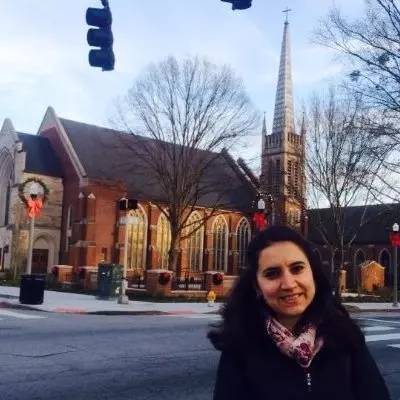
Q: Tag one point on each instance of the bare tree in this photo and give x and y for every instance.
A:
(340, 171)
(370, 46)
(191, 111)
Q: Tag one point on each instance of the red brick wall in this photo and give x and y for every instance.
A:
(100, 227)
(95, 220)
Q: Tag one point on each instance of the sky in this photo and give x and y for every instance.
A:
(44, 53)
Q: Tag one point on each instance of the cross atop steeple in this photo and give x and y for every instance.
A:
(287, 11)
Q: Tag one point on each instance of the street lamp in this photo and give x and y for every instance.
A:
(395, 239)
(265, 207)
(33, 192)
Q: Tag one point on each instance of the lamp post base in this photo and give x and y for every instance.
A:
(123, 299)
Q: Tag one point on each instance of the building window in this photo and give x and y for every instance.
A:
(68, 232)
(243, 238)
(290, 178)
(7, 210)
(277, 176)
(104, 254)
(137, 241)
(194, 242)
(163, 240)
(359, 257)
(296, 179)
(220, 244)
(69, 218)
(385, 261)
(270, 173)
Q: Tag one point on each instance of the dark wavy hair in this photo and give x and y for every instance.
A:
(244, 313)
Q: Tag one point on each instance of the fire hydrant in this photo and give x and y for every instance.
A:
(211, 298)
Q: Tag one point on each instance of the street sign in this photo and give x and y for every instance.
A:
(394, 239)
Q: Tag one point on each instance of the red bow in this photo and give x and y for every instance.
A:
(259, 220)
(34, 207)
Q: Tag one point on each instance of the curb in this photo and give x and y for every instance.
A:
(8, 296)
(149, 312)
(80, 311)
(5, 304)
(77, 311)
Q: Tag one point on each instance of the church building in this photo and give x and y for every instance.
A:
(86, 172)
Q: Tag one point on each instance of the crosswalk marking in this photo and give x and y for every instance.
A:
(197, 316)
(19, 315)
(377, 328)
(379, 320)
(385, 336)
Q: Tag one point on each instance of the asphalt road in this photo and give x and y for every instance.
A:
(56, 356)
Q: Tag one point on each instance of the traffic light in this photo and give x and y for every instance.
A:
(100, 37)
(239, 4)
(127, 204)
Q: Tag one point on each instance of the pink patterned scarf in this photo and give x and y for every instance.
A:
(302, 348)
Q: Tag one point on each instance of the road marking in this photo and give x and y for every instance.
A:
(19, 315)
(397, 346)
(387, 336)
(377, 328)
(379, 320)
(197, 316)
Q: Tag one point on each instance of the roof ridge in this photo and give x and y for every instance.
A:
(216, 152)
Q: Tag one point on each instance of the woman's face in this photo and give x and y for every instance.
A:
(285, 280)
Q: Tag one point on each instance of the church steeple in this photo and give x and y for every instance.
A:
(263, 134)
(282, 170)
(303, 125)
(284, 114)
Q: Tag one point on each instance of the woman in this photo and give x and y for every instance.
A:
(283, 335)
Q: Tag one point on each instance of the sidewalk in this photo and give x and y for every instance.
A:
(72, 303)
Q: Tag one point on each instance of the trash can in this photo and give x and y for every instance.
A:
(109, 278)
(31, 289)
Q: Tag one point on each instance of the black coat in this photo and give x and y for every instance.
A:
(265, 373)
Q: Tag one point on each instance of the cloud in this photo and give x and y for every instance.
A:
(44, 52)
(317, 64)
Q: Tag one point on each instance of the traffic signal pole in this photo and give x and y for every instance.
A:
(239, 4)
(100, 37)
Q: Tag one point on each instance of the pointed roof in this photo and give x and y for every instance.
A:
(303, 125)
(284, 113)
(263, 135)
(264, 128)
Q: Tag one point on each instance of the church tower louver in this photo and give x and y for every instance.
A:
(282, 165)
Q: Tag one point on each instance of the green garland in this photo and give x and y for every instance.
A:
(21, 190)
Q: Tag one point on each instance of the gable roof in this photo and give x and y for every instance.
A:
(379, 220)
(105, 155)
(40, 155)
